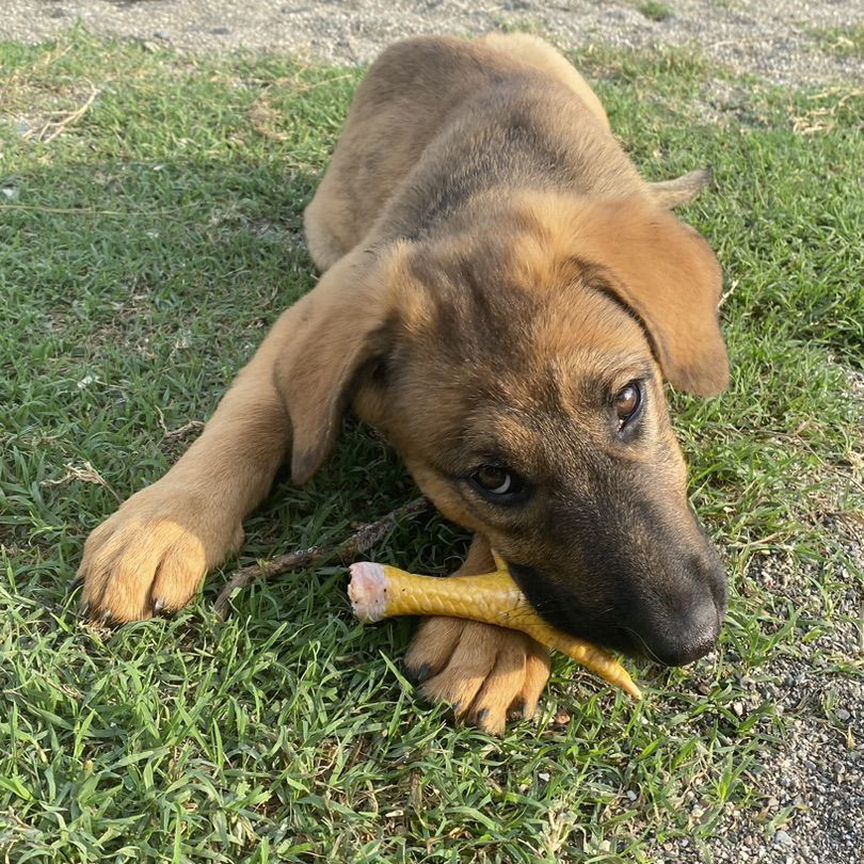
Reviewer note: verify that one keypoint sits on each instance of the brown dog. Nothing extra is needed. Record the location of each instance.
(502, 297)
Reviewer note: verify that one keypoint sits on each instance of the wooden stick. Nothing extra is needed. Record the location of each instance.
(363, 539)
(45, 136)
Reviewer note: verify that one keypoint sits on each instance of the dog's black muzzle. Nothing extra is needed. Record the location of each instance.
(668, 608)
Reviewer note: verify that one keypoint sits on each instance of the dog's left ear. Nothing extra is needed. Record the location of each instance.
(669, 277)
(342, 327)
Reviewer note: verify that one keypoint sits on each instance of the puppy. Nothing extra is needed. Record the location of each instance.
(503, 297)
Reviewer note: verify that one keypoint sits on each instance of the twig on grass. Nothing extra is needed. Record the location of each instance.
(50, 130)
(822, 119)
(85, 473)
(363, 539)
(181, 431)
(70, 211)
(264, 117)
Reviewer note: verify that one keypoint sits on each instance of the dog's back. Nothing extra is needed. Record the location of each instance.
(438, 121)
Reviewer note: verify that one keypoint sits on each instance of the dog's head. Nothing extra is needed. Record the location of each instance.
(519, 367)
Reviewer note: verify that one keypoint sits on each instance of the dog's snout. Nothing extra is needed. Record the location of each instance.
(664, 599)
(685, 638)
(687, 625)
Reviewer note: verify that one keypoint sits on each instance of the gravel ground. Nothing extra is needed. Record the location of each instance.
(818, 776)
(777, 40)
(813, 788)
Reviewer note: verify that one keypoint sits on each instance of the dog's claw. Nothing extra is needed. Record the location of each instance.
(517, 711)
(158, 606)
(420, 675)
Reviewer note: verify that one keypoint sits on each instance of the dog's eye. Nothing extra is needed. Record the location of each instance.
(496, 482)
(628, 401)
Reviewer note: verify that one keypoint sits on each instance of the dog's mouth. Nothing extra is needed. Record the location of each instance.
(564, 612)
(624, 627)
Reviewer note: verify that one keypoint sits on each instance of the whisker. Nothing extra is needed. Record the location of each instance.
(645, 645)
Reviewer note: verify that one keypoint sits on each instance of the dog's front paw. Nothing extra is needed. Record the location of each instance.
(152, 555)
(488, 674)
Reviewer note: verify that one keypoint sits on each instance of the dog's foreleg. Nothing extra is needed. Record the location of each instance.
(154, 552)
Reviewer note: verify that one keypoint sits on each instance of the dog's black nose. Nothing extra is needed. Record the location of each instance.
(687, 637)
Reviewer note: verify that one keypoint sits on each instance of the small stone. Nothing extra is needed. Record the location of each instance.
(843, 715)
(781, 838)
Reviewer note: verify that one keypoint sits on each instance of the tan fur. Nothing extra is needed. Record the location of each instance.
(662, 269)
(539, 55)
(386, 331)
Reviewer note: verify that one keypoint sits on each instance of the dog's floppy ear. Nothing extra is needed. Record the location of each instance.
(342, 325)
(669, 277)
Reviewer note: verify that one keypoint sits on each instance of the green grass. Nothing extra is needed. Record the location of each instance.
(841, 42)
(655, 11)
(143, 252)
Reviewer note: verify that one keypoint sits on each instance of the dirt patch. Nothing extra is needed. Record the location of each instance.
(782, 41)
